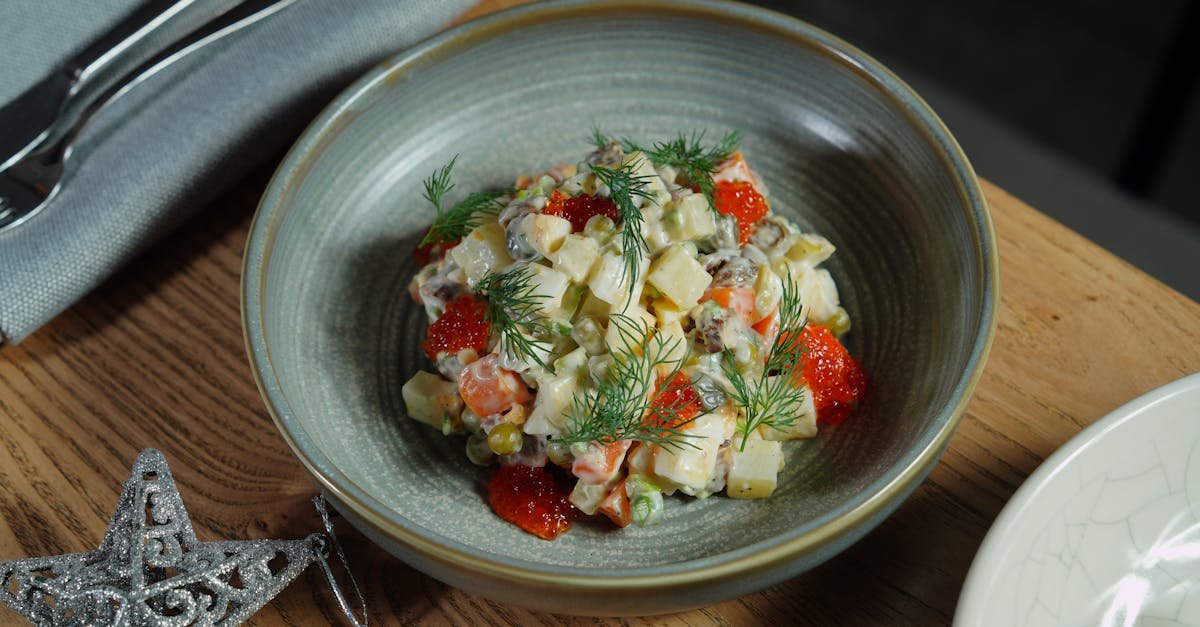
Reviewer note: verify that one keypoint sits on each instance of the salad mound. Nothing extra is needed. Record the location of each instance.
(636, 325)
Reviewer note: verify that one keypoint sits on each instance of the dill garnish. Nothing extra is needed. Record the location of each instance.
(616, 407)
(694, 162)
(452, 224)
(512, 310)
(598, 137)
(775, 400)
(623, 185)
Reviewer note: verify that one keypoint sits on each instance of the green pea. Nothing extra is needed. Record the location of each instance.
(478, 451)
(505, 439)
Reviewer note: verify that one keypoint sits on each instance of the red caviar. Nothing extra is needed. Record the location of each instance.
(740, 200)
(424, 253)
(463, 325)
(532, 498)
(836, 379)
(579, 209)
(678, 404)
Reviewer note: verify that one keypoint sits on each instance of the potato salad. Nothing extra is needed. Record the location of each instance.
(635, 325)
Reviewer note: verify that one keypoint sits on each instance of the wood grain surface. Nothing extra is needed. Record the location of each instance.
(155, 358)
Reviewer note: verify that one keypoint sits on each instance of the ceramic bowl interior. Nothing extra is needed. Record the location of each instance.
(845, 149)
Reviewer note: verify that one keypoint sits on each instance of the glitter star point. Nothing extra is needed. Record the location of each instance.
(151, 570)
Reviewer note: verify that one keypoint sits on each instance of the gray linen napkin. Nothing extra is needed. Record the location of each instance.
(153, 157)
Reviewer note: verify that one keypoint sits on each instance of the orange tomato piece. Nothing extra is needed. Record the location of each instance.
(488, 389)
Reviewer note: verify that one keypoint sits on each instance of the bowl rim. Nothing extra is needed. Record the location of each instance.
(862, 515)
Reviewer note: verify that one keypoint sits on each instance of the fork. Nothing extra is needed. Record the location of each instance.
(38, 128)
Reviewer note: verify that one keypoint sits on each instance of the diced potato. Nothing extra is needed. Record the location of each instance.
(689, 218)
(481, 251)
(754, 470)
(644, 168)
(667, 312)
(653, 231)
(575, 256)
(552, 403)
(586, 497)
(432, 400)
(679, 277)
(549, 284)
(768, 289)
(819, 295)
(804, 426)
(672, 335)
(589, 334)
(509, 358)
(687, 468)
(640, 459)
(546, 233)
(609, 281)
(614, 337)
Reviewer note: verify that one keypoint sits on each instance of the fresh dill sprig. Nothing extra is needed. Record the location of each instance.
(624, 402)
(623, 186)
(775, 400)
(452, 224)
(512, 310)
(695, 162)
(599, 139)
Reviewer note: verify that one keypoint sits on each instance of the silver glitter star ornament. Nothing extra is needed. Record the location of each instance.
(151, 570)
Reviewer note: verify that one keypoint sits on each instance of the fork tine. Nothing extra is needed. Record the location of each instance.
(7, 212)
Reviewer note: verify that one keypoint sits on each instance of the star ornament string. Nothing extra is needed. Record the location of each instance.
(151, 570)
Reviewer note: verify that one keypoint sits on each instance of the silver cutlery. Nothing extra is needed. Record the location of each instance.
(38, 128)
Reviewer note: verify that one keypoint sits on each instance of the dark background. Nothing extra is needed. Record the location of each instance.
(1089, 111)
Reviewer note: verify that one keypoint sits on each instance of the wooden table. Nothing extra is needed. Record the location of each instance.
(154, 358)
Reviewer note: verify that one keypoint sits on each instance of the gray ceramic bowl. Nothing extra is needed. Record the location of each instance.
(846, 149)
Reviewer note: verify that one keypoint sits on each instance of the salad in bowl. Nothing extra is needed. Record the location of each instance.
(633, 326)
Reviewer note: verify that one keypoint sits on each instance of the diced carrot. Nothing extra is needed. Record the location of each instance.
(740, 300)
(488, 389)
(616, 506)
(769, 326)
(735, 168)
(600, 463)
